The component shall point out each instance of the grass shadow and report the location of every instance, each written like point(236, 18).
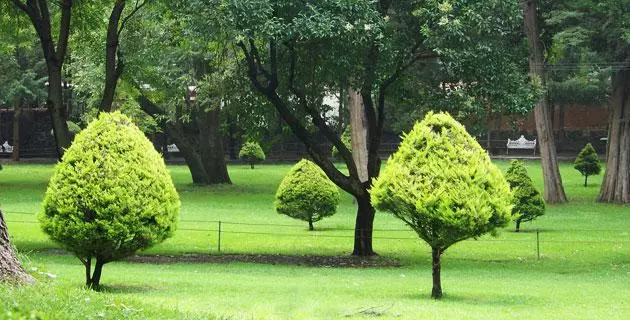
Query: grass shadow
point(485, 300)
point(126, 289)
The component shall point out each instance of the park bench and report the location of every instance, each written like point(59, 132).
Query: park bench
point(521, 143)
point(6, 148)
point(172, 148)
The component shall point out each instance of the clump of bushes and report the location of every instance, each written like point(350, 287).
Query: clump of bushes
point(110, 196)
point(307, 194)
point(528, 202)
point(442, 184)
point(252, 153)
point(587, 163)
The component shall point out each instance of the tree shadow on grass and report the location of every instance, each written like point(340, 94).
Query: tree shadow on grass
point(483, 300)
point(126, 289)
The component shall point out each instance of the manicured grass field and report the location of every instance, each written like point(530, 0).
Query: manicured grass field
point(583, 271)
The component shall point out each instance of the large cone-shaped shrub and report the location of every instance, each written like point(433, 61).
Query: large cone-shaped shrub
point(110, 195)
point(442, 184)
point(528, 202)
point(307, 194)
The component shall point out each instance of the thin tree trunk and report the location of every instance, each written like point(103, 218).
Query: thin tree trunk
point(616, 184)
point(96, 276)
point(436, 292)
point(17, 115)
point(310, 225)
point(10, 268)
point(585, 180)
point(363, 227)
point(55, 106)
point(518, 225)
point(88, 271)
point(553, 190)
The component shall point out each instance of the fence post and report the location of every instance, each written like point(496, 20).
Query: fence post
point(538, 243)
point(219, 242)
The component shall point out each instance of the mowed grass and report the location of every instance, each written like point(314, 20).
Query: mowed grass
point(583, 271)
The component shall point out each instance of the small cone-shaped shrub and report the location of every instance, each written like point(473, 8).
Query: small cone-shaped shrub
point(110, 196)
point(443, 185)
point(252, 153)
point(528, 202)
point(346, 139)
point(587, 162)
point(307, 194)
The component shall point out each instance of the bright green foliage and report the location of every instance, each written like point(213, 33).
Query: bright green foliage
point(587, 162)
point(307, 194)
point(346, 138)
point(111, 194)
point(528, 203)
point(442, 184)
point(252, 153)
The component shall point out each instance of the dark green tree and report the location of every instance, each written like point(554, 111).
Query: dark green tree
point(443, 185)
point(307, 194)
point(110, 196)
point(528, 202)
point(587, 162)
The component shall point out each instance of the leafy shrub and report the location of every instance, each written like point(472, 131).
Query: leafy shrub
point(307, 194)
point(110, 196)
point(346, 139)
point(252, 153)
point(587, 162)
point(443, 185)
point(528, 202)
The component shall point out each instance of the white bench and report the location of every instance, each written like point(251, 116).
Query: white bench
point(172, 148)
point(6, 147)
point(521, 143)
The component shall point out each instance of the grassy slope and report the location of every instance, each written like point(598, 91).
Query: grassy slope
point(582, 274)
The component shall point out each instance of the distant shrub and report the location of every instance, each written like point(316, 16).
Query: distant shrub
point(110, 196)
point(443, 185)
point(252, 153)
point(346, 139)
point(307, 194)
point(587, 162)
point(528, 202)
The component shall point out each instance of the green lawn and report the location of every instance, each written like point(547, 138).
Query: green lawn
point(583, 272)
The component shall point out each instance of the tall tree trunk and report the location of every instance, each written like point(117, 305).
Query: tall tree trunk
point(113, 58)
point(553, 190)
point(436, 292)
point(10, 268)
point(55, 107)
point(211, 145)
point(616, 184)
point(364, 226)
point(17, 115)
point(358, 133)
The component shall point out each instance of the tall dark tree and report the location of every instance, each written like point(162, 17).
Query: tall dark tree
point(296, 52)
point(553, 189)
point(55, 51)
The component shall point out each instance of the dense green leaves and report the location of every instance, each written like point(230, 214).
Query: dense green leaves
point(528, 202)
point(442, 184)
point(111, 194)
point(587, 162)
point(307, 194)
point(346, 138)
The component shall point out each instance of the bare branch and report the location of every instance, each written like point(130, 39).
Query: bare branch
point(136, 8)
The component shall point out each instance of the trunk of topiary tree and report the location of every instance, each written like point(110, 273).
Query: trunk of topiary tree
point(310, 225)
point(585, 180)
point(10, 268)
point(518, 225)
point(436, 292)
point(93, 280)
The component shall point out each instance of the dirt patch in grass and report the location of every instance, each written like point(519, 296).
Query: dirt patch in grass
point(314, 261)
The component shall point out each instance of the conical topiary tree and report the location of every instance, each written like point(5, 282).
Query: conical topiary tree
point(443, 185)
point(307, 194)
point(110, 196)
point(252, 153)
point(528, 202)
point(587, 162)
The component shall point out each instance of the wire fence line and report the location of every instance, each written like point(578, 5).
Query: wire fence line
point(219, 228)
